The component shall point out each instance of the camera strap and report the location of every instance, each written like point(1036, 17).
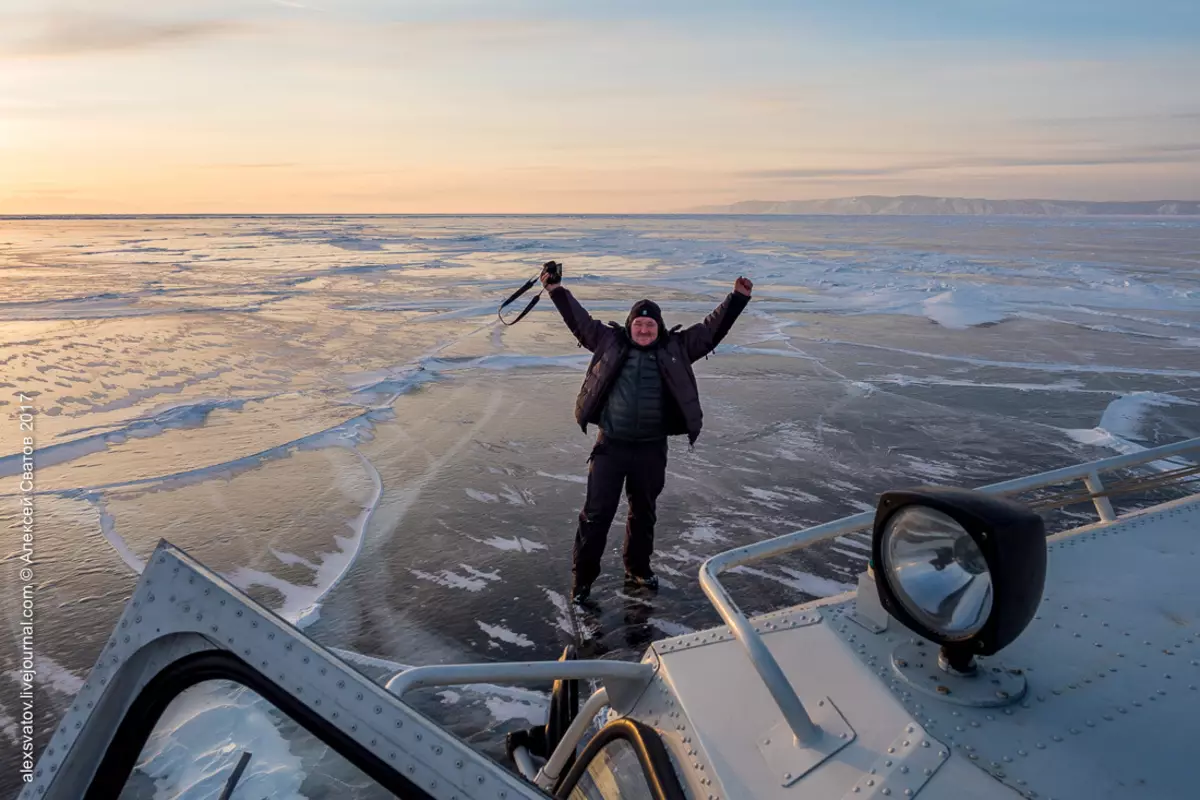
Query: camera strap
point(528, 284)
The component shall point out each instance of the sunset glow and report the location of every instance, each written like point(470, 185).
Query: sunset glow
point(183, 106)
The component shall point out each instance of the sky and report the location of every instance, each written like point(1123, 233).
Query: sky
point(613, 106)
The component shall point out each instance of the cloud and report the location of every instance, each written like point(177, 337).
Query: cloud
point(498, 31)
point(835, 172)
point(1163, 154)
point(1108, 119)
point(42, 192)
point(255, 165)
point(63, 36)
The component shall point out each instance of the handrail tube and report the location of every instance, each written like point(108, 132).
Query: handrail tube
point(548, 775)
point(787, 542)
point(517, 672)
point(524, 763)
point(794, 713)
point(764, 662)
point(1080, 471)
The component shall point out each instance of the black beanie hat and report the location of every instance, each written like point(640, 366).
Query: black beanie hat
point(645, 308)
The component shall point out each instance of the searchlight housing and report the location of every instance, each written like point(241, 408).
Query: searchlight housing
point(963, 569)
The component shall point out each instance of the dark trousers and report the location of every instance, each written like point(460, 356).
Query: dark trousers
point(642, 468)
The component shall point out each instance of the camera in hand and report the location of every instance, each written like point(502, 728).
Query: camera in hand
point(551, 273)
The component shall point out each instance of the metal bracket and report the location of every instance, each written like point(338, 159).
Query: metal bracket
point(791, 762)
point(868, 611)
point(991, 686)
point(904, 769)
point(1104, 506)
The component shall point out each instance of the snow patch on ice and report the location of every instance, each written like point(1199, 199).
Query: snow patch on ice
point(815, 584)
point(449, 697)
point(567, 478)
point(1123, 420)
point(1125, 415)
point(1032, 366)
point(804, 582)
point(8, 727)
point(53, 675)
point(764, 494)
point(704, 531)
point(851, 541)
point(930, 470)
point(504, 709)
point(1062, 385)
point(772, 497)
point(562, 619)
point(516, 497)
point(302, 604)
point(671, 628)
point(962, 308)
point(503, 634)
point(504, 362)
point(850, 554)
point(348, 243)
point(291, 559)
point(515, 543)
point(473, 581)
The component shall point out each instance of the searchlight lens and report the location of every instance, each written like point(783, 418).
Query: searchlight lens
point(937, 572)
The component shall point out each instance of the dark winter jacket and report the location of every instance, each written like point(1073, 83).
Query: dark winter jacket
point(633, 410)
point(676, 352)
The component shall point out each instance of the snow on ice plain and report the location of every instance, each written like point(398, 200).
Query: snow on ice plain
point(326, 411)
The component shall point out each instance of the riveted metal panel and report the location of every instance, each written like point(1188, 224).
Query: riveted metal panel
point(789, 761)
point(993, 685)
point(904, 768)
point(1111, 662)
point(714, 713)
point(782, 620)
point(661, 710)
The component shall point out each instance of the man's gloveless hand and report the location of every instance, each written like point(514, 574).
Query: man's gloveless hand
point(743, 286)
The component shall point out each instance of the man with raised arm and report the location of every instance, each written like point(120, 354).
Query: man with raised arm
point(639, 390)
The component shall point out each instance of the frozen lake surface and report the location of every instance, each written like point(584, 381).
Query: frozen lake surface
point(326, 411)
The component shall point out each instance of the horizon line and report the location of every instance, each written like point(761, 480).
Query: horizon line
point(699, 210)
point(447, 214)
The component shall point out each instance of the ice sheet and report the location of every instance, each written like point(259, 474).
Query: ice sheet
point(213, 356)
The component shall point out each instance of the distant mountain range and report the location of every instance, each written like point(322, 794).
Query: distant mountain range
point(964, 206)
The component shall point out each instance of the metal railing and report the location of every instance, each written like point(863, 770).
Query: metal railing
point(549, 774)
point(624, 682)
point(794, 713)
point(519, 672)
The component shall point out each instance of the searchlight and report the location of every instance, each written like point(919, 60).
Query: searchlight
point(960, 568)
